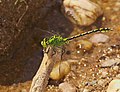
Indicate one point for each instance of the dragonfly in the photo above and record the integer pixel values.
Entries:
(57, 41)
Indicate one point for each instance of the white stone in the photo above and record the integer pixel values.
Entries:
(82, 12)
(110, 62)
(99, 38)
(66, 87)
(114, 86)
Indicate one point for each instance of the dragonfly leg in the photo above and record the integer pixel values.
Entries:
(62, 52)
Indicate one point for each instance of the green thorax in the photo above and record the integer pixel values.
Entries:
(54, 41)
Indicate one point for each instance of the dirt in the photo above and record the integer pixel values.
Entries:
(16, 73)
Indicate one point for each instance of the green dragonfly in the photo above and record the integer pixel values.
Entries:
(57, 41)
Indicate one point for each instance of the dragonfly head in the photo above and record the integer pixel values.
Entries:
(44, 43)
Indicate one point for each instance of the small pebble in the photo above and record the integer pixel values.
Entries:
(86, 90)
(118, 76)
(23, 90)
(116, 68)
(103, 19)
(99, 38)
(66, 87)
(101, 82)
(84, 45)
(113, 17)
(114, 86)
(110, 62)
(94, 82)
(11, 88)
(117, 4)
(107, 8)
(104, 74)
(116, 9)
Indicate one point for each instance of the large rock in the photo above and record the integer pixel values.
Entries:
(114, 86)
(81, 12)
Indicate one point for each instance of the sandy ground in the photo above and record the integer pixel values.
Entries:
(85, 71)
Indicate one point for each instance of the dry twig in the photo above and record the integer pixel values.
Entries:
(40, 80)
(26, 9)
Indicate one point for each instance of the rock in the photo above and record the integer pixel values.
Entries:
(60, 70)
(86, 90)
(116, 68)
(101, 82)
(81, 12)
(84, 45)
(66, 87)
(110, 62)
(99, 38)
(104, 74)
(23, 90)
(114, 86)
(117, 6)
(94, 82)
(118, 76)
